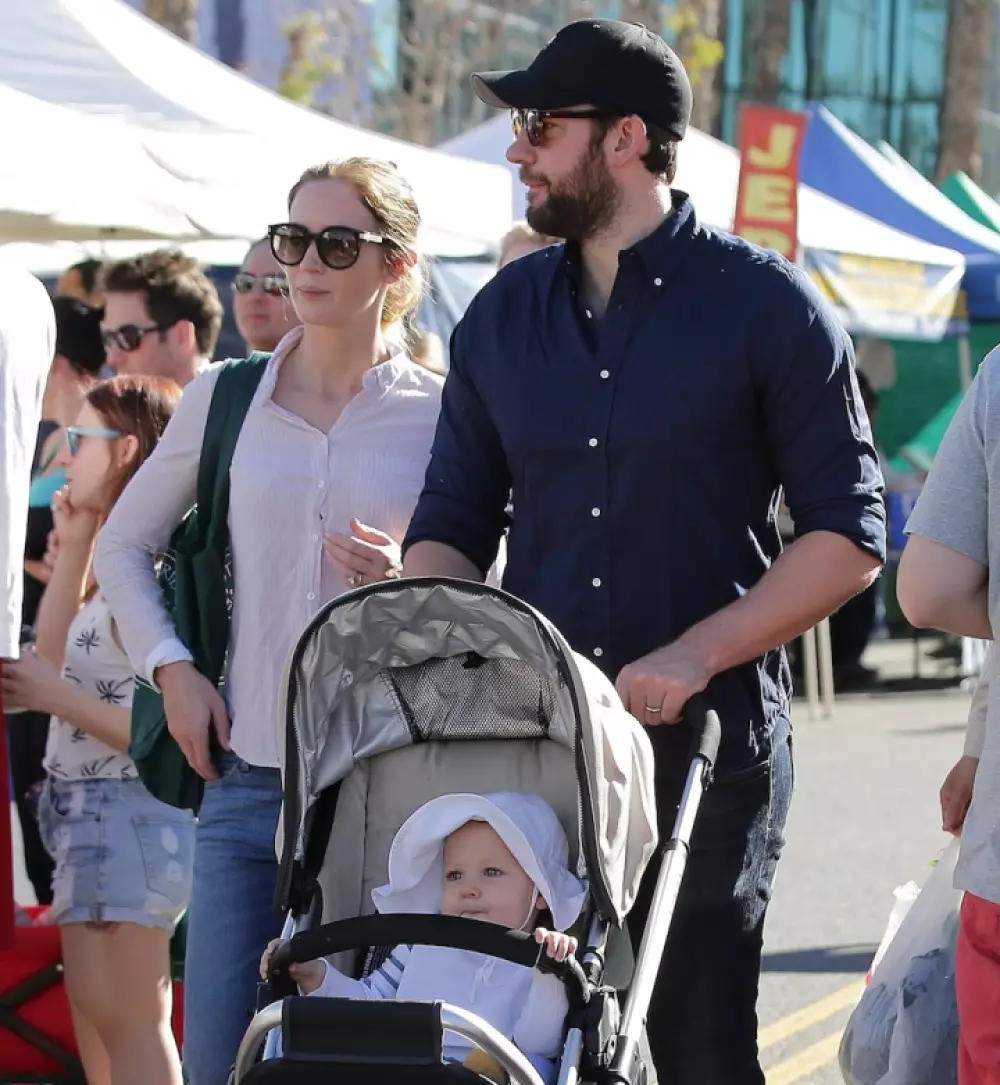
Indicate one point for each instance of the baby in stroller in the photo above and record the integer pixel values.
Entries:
(500, 858)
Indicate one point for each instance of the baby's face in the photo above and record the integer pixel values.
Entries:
(482, 880)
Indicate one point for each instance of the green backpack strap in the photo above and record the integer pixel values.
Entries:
(234, 390)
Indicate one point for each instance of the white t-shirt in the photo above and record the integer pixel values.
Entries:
(27, 344)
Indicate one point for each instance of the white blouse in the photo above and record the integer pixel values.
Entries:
(290, 485)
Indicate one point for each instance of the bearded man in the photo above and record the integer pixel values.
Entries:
(629, 407)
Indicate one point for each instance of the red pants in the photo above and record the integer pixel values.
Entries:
(977, 980)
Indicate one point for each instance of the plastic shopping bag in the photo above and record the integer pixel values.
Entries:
(904, 896)
(904, 1030)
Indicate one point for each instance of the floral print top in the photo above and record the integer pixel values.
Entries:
(96, 662)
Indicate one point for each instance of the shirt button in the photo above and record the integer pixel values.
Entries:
(598, 652)
(595, 512)
(315, 538)
(604, 374)
(311, 596)
(657, 282)
(596, 582)
(592, 442)
(321, 484)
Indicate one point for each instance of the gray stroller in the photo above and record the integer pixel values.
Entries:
(407, 690)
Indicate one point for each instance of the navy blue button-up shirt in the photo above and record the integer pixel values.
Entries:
(644, 453)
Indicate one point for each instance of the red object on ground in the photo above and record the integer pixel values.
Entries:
(36, 1030)
(6, 849)
(977, 983)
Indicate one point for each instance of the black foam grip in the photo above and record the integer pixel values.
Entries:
(703, 720)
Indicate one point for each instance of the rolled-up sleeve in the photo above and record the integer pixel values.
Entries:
(139, 527)
(815, 424)
(467, 485)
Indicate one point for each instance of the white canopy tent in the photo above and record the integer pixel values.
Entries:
(154, 138)
(709, 169)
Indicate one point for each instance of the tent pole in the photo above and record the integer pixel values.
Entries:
(964, 362)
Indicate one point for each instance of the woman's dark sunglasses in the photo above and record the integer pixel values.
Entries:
(275, 285)
(532, 121)
(129, 337)
(337, 246)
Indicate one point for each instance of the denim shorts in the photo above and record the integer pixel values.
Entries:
(121, 856)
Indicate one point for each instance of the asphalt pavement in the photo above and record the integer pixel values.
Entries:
(864, 820)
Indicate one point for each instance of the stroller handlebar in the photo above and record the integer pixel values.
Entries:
(420, 930)
(703, 720)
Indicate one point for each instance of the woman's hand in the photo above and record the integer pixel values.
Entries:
(31, 682)
(365, 557)
(956, 794)
(309, 975)
(73, 526)
(558, 945)
(193, 706)
(51, 551)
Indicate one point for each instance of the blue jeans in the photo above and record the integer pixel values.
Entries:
(702, 1024)
(232, 916)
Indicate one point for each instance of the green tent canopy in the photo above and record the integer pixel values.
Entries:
(921, 449)
(966, 194)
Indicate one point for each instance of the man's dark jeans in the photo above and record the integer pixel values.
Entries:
(703, 1019)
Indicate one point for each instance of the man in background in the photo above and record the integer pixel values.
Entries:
(261, 308)
(27, 343)
(162, 316)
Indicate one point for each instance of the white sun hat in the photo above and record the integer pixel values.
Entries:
(525, 823)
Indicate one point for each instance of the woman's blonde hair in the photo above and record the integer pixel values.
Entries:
(388, 196)
(519, 232)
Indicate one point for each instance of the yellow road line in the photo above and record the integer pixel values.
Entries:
(806, 1062)
(786, 1027)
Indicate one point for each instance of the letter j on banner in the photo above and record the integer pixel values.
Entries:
(767, 200)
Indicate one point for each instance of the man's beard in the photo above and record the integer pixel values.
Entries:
(582, 205)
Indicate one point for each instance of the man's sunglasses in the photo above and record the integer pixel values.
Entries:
(337, 246)
(532, 121)
(75, 434)
(275, 285)
(129, 337)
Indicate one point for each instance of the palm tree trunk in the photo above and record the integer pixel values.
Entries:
(769, 47)
(180, 17)
(960, 138)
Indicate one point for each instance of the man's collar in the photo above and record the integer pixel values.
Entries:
(659, 251)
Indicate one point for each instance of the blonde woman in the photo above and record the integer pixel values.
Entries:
(338, 436)
(520, 240)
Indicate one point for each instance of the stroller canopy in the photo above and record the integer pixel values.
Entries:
(437, 659)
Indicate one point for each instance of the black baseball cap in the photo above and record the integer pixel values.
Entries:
(619, 67)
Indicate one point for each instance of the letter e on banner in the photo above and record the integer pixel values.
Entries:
(767, 199)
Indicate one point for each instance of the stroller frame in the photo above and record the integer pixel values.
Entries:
(600, 1045)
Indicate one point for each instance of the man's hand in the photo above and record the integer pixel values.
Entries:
(655, 688)
(193, 705)
(956, 794)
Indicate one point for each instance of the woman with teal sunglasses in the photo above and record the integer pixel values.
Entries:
(79, 357)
